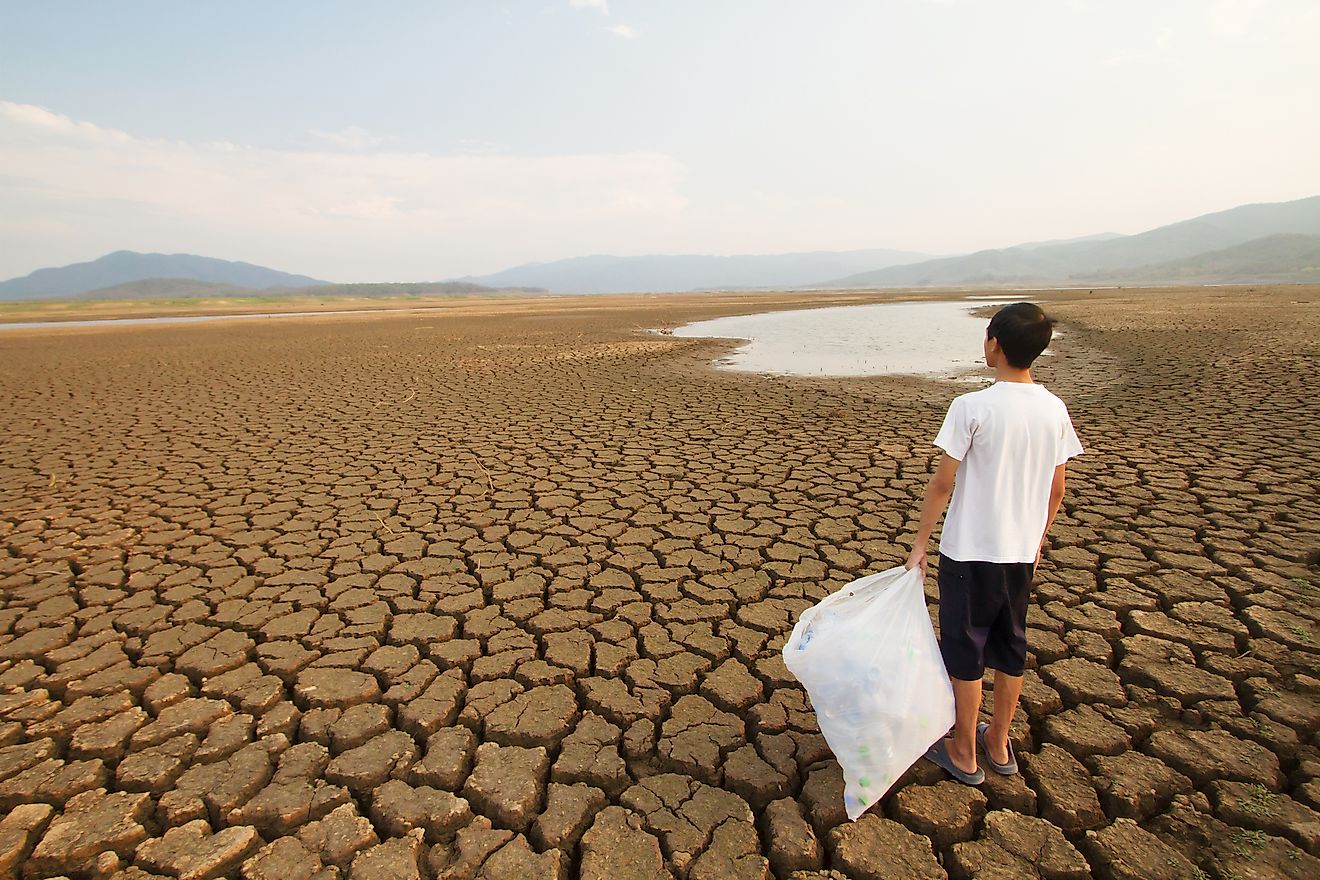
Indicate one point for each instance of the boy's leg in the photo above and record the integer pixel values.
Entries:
(962, 645)
(1007, 690)
(1006, 652)
(966, 709)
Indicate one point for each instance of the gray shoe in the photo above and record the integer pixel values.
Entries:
(939, 754)
(1006, 769)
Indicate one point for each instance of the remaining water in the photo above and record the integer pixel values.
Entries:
(938, 339)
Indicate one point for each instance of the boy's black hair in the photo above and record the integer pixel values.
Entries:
(1023, 330)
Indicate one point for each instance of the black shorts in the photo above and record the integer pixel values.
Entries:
(983, 616)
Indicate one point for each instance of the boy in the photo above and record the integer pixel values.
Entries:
(1007, 446)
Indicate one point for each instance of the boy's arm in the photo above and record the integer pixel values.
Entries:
(1056, 498)
(932, 508)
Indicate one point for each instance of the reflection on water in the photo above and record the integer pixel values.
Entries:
(940, 339)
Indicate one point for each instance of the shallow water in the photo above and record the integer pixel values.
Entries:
(939, 339)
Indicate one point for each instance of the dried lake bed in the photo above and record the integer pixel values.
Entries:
(499, 591)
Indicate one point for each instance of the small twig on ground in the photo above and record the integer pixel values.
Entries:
(490, 482)
(384, 525)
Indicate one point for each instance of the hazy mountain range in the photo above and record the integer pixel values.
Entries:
(122, 267)
(1280, 259)
(1235, 244)
(660, 273)
(1277, 242)
(129, 275)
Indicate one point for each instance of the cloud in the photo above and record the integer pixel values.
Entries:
(1233, 19)
(602, 6)
(1160, 47)
(74, 190)
(623, 30)
(352, 138)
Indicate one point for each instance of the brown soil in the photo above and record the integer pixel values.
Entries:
(499, 590)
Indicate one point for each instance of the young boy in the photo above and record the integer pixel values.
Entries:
(1005, 451)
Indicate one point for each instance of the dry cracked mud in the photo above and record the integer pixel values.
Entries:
(499, 591)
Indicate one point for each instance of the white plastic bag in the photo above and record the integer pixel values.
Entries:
(868, 658)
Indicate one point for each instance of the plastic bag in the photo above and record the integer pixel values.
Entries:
(868, 658)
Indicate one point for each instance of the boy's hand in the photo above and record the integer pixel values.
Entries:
(917, 558)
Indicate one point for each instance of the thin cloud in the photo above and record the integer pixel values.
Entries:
(602, 6)
(623, 31)
(1160, 47)
(351, 138)
(1233, 19)
(74, 186)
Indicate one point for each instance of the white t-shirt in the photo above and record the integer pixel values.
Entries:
(1008, 438)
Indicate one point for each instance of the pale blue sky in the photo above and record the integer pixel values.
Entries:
(408, 141)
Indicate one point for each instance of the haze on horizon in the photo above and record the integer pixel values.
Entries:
(438, 140)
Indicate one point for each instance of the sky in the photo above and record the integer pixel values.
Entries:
(415, 141)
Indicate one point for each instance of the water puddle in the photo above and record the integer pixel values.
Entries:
(934, 339)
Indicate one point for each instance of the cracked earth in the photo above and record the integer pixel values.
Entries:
(499, 592)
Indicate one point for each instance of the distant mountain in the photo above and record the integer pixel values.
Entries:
(1278, 259)
(123, 267)
(661, 273)
(1252, 242)
(1105, 258)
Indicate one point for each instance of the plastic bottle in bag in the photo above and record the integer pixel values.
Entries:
(868, 658)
